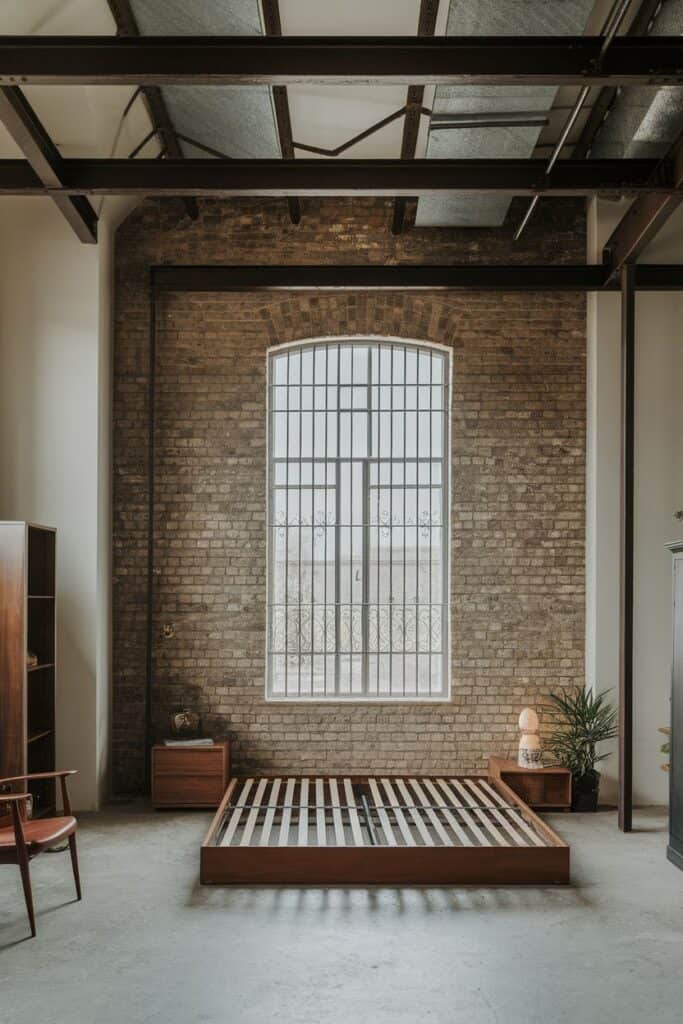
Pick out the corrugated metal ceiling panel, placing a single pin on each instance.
(495, 18)
(236, 121)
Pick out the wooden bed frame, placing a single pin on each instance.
(410, 830)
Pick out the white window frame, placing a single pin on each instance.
(444, 695)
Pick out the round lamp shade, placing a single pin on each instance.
(528, 720)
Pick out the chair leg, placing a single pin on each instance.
(26, 882)
(74, 864)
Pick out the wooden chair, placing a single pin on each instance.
(25, 839)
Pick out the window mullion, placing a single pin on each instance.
(365, 622)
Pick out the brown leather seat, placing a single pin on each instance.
(40, 833)
(22, 839)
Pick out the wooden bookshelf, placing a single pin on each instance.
(28, 623)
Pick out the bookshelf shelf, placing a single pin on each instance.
(27, 623)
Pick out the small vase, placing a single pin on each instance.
(186, 724)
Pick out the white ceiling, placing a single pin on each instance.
(81, 120)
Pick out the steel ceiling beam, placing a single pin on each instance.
(44, 160)
(645, 217)
(344, 177)
(272, 24)
(127, 26)
(426, 26)
(270, 60)
(401, 277)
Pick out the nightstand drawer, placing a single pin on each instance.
(190, 776)
(188, 790)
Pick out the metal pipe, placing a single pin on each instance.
(492, 119)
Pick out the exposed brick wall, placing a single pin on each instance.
(518, 467)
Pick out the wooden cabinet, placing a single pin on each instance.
(540, 788)
(28, 656)
(675, 848)
(190, 776)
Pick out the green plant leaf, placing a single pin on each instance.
(581, 720)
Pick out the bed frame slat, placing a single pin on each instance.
(253, 813)
(458, 831)
(403, 825)
(283, 838)
(237, 813)
(321, 827)
(356, 830)
(456, 799)
(339, 837)
(436, 824)
(270, 813)
(514, 814)
(414, 813)
(507, 825)
(303, 813)
(382, 814)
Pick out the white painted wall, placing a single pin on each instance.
(659, 492)
(55, 430)
(55, 384)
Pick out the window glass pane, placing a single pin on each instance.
(307, 366)
(345, 370)
(278, 369)
(294, 367)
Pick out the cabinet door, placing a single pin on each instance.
(677, 708)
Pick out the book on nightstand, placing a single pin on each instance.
(204, 742)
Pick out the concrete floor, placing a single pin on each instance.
(148, 944)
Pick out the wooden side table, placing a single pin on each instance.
(190, 776)
(540, 788)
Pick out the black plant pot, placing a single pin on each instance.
(585, 789)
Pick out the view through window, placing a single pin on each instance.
(358, 521)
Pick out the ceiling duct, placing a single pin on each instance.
(643, 122)
(529, 104)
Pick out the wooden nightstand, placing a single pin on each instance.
(190, 776)
(540, 788)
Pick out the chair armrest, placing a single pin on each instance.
(62, 776)
(7, 798)
(39, 775)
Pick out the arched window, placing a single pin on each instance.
(358, 521)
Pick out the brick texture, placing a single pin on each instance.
(518, 464)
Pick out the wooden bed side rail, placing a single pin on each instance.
(210, 838)
(529, 816)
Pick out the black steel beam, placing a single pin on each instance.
(272, 24)
(44, 160)
(343, 177)
(646, 216)
(580, 278)
(251, 60)
(628, 331)
(126, 25)
(426, 25)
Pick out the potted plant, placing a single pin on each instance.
(582, 720)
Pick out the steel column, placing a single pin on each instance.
(625, 805)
